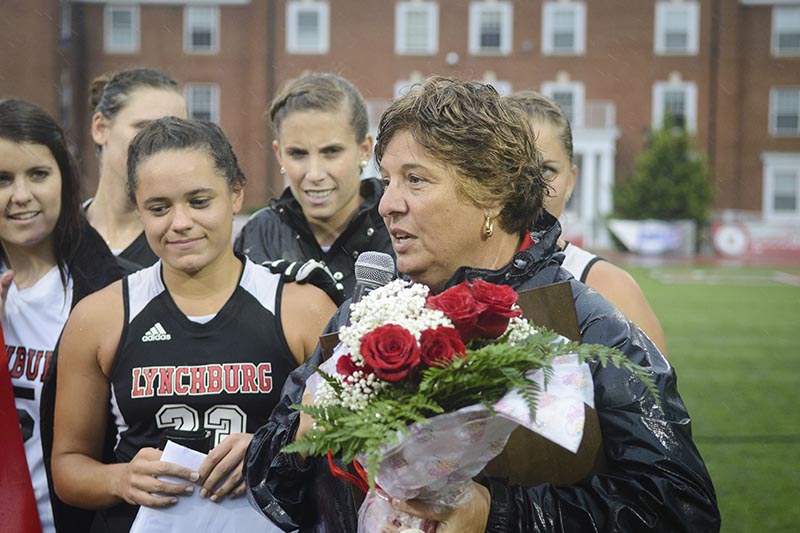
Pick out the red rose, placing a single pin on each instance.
(461, 308)
(499, 301)
(391, 350)
(440, 346)
(346, 367)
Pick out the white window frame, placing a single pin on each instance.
(780, 16)
(773, 163)
(578, 90)
(401, 11)
(109, 46)
(549, 11)
(190, 15)
(503, 87)
(401, 87)
(663, 10)
(476, 12)
(293, 10)
(213, 102)
(773, 112)
(689, 88)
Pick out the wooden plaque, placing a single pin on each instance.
(529, 459)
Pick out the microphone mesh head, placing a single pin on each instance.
(374, 268)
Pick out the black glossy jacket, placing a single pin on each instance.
(280, 231)
(656, 479)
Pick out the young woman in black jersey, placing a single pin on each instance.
(202, 340)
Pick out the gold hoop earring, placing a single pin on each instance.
(488, 227)
(283, 170)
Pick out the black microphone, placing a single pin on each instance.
(373, 270)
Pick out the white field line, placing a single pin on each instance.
(721, 278)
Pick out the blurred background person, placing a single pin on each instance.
(122, 104)
(327, 213)
(200, 341)
(554, 139)
(464, 199)
(50, 259)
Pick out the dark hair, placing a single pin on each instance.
(23, 122)
(540, 108)
(320, 91)
(108, 93)
(467, 126)
(172, 133)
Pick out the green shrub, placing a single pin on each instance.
(671, 181)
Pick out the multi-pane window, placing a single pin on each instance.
(570, 98)
(307, 27)
(675, 103)
(121, 29)
(416, 28)
(677, 28)
(202, 99)
(201, 29)
(490, 27)
(564, 28)
(785, 111)
(401, 87)
(785, 191)
(503, 87)
(781, 184)
(786, 31)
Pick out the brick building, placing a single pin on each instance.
(728, 69)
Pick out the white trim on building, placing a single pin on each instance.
(307, 27)
(416, 28)
(677, 28)
(121, 29)
(564, 28)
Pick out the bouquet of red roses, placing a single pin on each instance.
(425, 390)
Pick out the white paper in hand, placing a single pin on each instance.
(196, 514)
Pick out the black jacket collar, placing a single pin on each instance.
(542, 254)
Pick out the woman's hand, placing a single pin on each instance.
(471, 517)
(306, 421)
(221, 472)
(138, 483)
(5, 284)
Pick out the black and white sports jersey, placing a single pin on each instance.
(32, 323)
(224, 375)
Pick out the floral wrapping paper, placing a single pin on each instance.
(433, 460)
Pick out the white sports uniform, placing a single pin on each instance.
(32, 323)
(578, 261)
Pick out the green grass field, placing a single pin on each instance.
(733, 336)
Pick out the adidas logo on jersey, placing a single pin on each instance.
(156, 333)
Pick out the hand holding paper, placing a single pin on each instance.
(196, 514)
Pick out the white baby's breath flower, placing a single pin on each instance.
(398, 302)
(359, 389)
(519, 330)
(326, 395)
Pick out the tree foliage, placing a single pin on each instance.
(671, 181)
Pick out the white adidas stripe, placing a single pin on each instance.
(156, 333)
